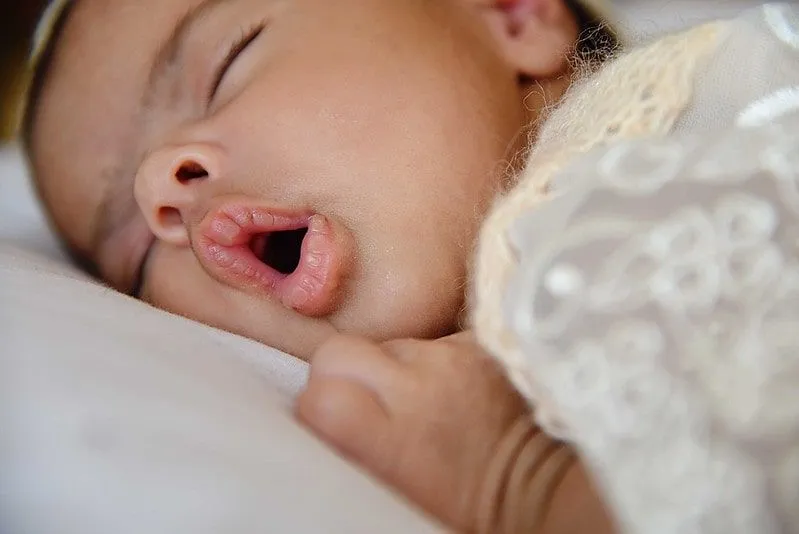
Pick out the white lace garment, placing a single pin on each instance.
(649, 307)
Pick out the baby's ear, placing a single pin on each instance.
(537, 37)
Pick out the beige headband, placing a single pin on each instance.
(44, 29)
(41, 38)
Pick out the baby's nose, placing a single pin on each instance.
(168, 187)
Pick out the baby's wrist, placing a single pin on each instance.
(522, 480)
(535, 484)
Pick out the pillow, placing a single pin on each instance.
(117, 417)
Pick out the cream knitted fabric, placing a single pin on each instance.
(650, 308)
(641, 93)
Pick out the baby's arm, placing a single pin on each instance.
(437, 421)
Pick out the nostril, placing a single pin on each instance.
(190, 171)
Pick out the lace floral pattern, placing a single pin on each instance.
(662, 322)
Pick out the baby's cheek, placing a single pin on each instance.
(413, 294)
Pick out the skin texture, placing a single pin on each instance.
(394, 120)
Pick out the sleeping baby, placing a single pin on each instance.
(313, 175)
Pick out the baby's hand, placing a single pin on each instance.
(424, 416)
(437, 421)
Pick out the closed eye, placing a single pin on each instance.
(236, 49)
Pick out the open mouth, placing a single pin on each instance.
(297, 258)
(280, 251)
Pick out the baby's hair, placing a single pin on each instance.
(597, 41)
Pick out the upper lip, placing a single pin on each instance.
(223, 243)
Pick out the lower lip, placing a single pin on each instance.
(224, 243)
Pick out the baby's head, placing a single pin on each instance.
(284, 169)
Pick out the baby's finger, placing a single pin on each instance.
(357, 359)
(347, 416)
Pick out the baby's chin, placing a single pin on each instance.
(303, 342)
(379, 320)
(388, 313)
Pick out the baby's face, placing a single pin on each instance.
(284, 169)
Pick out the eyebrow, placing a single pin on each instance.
(114, 211)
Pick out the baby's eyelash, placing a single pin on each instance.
(238, 46)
